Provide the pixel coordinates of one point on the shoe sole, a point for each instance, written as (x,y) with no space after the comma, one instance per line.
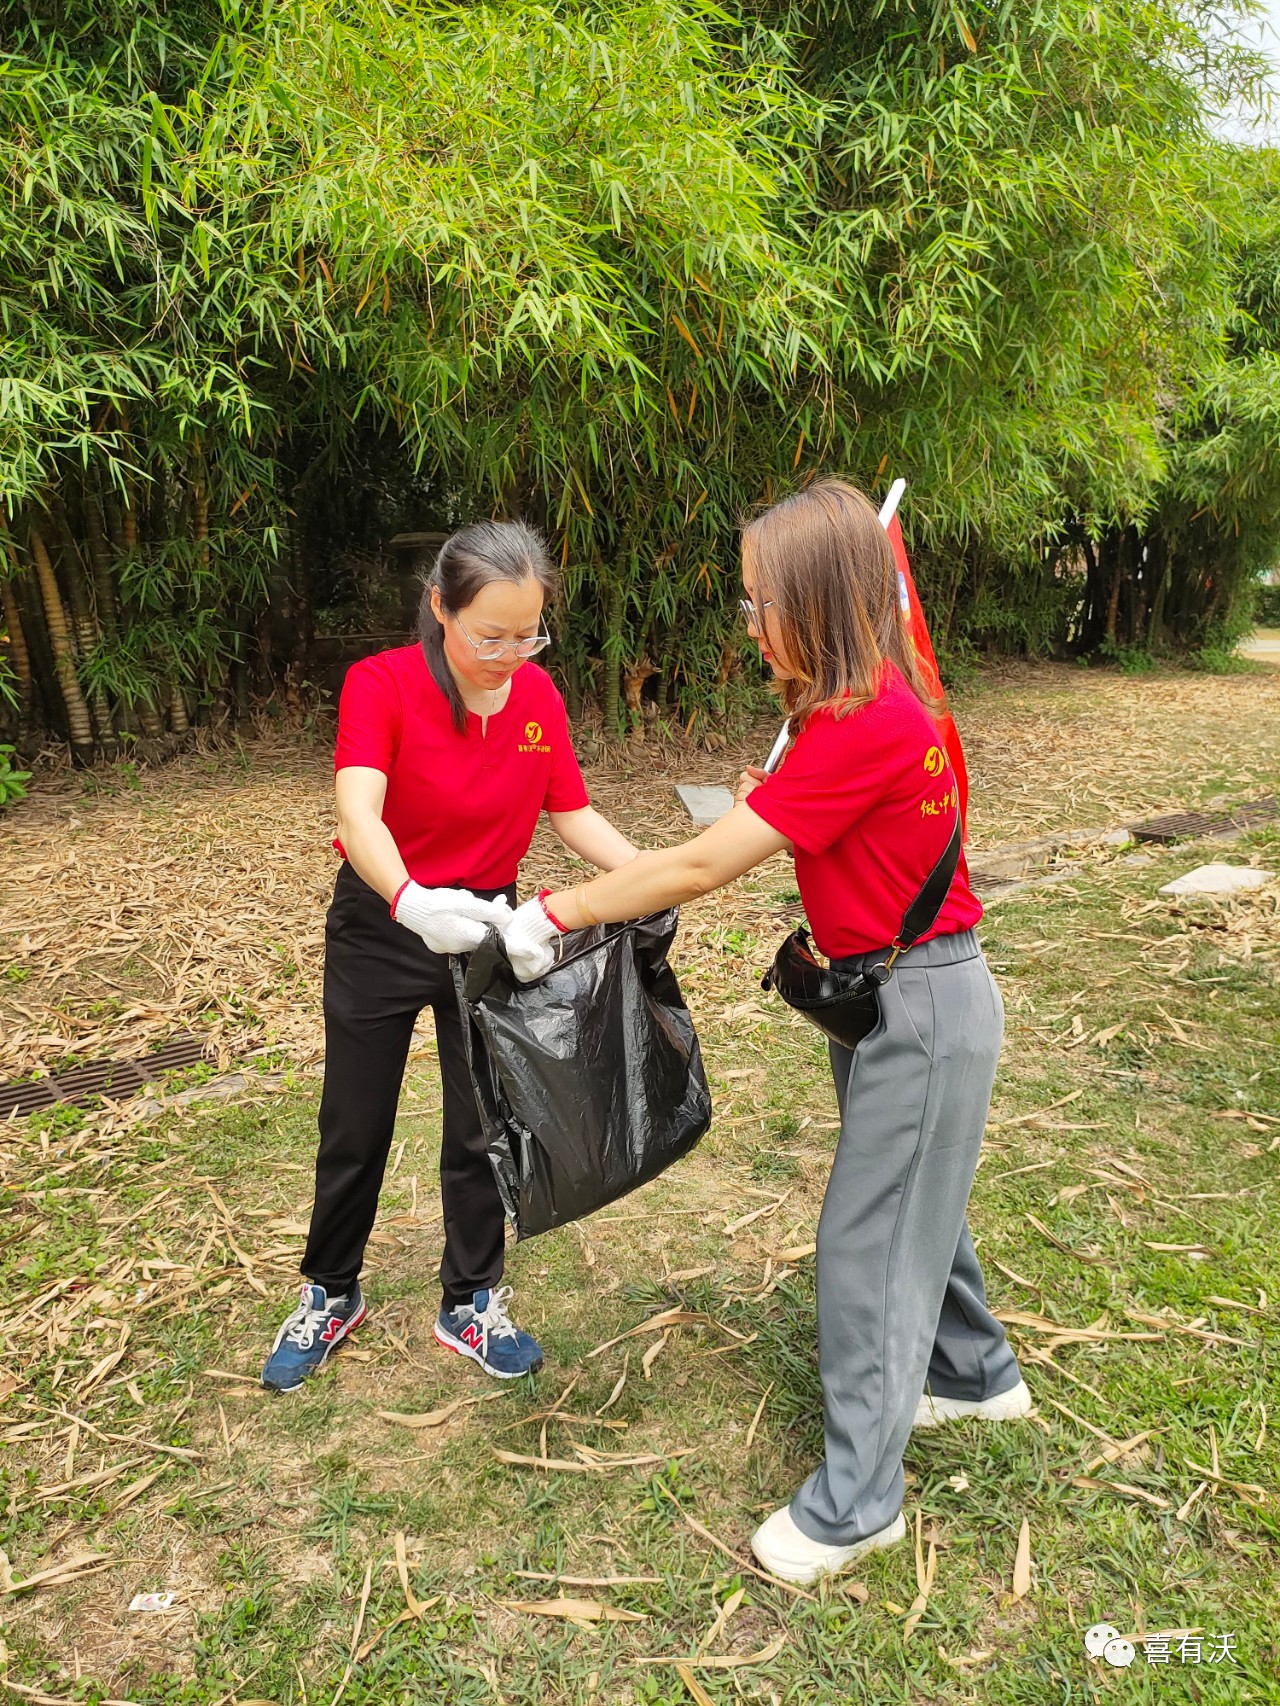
(347,1328)
(937,1412)
(462,1350)
(896,1531)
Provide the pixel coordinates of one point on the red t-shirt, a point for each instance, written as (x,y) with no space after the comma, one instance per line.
(868,801)
(462,808)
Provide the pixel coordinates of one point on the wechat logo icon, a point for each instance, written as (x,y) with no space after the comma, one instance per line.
(1104,1641)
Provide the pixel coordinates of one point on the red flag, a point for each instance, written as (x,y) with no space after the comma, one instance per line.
(918,634)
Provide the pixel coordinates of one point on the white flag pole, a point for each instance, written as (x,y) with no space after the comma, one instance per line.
(889,508)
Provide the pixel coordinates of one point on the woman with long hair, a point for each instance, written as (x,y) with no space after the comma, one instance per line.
(866,802)
(448,752)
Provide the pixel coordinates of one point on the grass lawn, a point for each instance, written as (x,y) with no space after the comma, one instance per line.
(324,1550)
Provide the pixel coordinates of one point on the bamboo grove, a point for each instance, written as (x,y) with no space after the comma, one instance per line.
(625,270)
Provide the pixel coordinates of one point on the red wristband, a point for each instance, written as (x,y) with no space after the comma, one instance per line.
(395,899)
(542,902)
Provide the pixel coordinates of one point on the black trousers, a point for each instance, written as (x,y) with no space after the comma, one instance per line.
(378,977)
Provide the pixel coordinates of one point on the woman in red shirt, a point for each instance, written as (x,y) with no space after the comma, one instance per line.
(866,802)
(448,751)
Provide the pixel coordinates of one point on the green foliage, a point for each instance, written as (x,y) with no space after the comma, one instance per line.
(12,782)
(626,271)
(1266,606)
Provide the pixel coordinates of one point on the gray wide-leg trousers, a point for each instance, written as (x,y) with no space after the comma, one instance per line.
(900,1295)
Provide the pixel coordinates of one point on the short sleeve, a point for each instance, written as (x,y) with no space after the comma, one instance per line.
(833,775)
(368,719)
(566,791)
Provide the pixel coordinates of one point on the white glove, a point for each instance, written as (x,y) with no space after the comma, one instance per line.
(528,937)
(450,921)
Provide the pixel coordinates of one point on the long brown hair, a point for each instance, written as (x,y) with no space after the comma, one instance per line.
(824,563)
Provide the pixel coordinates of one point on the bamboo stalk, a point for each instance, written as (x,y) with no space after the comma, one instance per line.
(100,561)
(78,724)
(85,625)
(18,653)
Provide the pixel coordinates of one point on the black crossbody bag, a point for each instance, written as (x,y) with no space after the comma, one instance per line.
(846,1005)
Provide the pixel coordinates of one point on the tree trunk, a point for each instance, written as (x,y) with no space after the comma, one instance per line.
(1144,562)
(1159,567)
(78,724)
(1113,601)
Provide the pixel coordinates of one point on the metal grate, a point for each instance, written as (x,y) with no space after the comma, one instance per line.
(986,882)
(1184,826)
(80,1085)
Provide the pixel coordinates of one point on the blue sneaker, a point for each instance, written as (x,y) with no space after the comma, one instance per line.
(316,1327)
(483,1331)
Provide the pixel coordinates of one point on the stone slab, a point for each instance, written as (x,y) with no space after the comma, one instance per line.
(704,805)
(1217,879)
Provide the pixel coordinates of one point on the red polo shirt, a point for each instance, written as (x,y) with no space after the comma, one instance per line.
(462,808)
(868,801)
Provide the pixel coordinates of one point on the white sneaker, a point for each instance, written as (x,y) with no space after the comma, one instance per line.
(932,1410)
(786,1552)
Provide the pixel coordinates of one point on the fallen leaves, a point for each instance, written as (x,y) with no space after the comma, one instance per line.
(580,1611)
(56,1575)
(725,1661)
(1022,1562)
(590,1462)
(736,1226)
(676,1317)
(755,1420)
(434,1418)
(926,1571)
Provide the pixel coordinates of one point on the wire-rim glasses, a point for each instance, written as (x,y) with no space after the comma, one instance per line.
(752,614)
(489,651)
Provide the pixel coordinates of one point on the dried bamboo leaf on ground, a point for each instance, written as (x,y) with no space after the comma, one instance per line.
(1022,1562)
(434,1418)
(576,1610)
(721,1661)
(1049,748)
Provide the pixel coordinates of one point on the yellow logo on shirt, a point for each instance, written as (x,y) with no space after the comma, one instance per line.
(533,741)
(935,808)
(935,761)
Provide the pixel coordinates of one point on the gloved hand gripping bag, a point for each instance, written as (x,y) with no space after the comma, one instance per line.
(589,1081)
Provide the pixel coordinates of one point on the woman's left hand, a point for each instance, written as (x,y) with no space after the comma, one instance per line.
(748,782)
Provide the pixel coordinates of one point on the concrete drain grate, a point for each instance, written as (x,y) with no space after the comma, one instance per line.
(81,1085)
(1186,826)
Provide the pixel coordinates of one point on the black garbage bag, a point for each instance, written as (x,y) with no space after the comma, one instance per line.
(589,1080)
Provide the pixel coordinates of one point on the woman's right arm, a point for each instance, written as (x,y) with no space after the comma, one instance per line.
(366,840)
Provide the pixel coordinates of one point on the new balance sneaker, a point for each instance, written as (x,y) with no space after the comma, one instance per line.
(788,1553)
(483,1331)
(933,1410)
(317,1326)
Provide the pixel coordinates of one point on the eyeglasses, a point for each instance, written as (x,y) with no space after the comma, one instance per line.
(489,651)
(750,611)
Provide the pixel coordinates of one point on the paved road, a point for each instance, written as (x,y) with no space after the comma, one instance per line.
(1263,646)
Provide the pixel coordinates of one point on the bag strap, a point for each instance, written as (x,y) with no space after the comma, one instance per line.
(924,909)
